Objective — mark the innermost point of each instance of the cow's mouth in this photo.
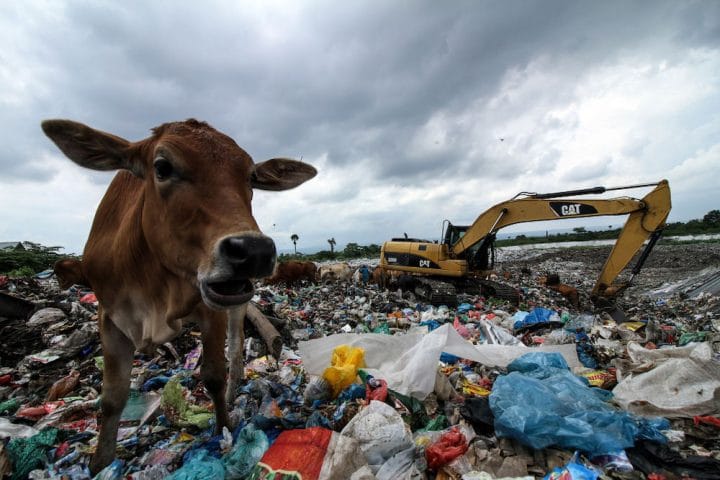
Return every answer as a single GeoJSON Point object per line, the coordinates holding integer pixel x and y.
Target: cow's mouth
{"type": "Point", "coordinates": [227, 293]}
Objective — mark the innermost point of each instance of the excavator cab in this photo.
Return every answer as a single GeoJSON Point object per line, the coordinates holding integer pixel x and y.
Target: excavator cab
{"type": "Point", "coordinates": [453, 233]}
{"type": "Point", "coordinates": [481, 256]}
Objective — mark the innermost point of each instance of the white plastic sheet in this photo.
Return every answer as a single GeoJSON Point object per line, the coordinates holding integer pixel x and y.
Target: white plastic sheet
{"type": "Point", "coordinates": [674, 382]}
{"type": "Point", "coordinates": [408, 362]}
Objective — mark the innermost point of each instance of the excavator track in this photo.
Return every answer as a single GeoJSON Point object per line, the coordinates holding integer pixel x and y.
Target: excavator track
{"type": "Point", "coordinates": [501, 291]}
{"type": "Point", "coordinates": [442, 292]}
{"type": "Point", "coordinates": [436, 292]}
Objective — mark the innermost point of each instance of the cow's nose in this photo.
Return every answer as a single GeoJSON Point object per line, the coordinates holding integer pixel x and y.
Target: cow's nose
{"type": "Point", "coordinates": [254, 254]}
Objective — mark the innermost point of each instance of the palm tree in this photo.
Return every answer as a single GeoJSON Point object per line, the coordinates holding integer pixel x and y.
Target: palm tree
{"type": "Point", "coordinates": [294, 239]}
{"type": "Point", "coordinates": [332, 245]}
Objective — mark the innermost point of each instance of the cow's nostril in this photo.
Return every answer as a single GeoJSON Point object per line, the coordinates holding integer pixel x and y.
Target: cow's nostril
{"type": "Point", "coordinates": [254, 254]}
{"type": "Point", "coordinates": [235, 249]}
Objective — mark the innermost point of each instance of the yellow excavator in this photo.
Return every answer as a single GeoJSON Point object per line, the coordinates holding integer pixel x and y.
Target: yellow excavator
{"type": "Point", "coordinates": [436, 271]}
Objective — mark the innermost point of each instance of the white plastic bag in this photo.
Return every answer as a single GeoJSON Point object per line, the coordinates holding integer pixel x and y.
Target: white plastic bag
{"type": "Point", "coordinates": [684, 382]}
{"type": "Point", "coordinates": [381, 433]}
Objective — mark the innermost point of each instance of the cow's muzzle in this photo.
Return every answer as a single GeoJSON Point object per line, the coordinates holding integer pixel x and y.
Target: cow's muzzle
{"type": "Point", "coordinates": [238, 259]}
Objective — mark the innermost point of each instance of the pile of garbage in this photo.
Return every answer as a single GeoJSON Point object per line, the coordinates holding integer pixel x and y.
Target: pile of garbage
{"type": "Point", "coordinates": [375, 384]}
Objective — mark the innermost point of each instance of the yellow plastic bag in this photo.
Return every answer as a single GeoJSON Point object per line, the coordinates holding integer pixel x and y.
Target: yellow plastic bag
{"type": "Point", "coordinates": [346, 361]}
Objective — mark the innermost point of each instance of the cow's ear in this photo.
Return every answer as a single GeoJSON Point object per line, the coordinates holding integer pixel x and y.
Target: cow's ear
{"type": "Point", "coordinates": [91, 148]}
{"type": "Point", "coordinates": [281, 174]}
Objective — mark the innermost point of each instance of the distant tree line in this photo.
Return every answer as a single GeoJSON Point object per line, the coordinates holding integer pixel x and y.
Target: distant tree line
{"type": "Point", "coordinates": [351, 251]}
{"type": "Point", "coordinates": [29, 259]}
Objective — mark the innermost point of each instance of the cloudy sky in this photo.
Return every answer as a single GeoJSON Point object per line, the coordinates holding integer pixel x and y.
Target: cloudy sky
{"type": "Point", "coordinates": [412, 111]}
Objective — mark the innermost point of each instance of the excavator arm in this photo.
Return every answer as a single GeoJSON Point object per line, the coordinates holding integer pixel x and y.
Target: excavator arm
{"type": "Point", "coordinates": [645, 217]}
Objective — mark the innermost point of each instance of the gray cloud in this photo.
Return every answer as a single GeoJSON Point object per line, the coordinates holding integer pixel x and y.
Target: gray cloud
{"type": "Point", "coordinates": [345, 81]}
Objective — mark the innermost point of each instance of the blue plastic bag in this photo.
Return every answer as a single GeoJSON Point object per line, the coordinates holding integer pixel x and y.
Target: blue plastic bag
{"type": "Point", "coordinates": [574, 470]}
{"type": "Point", "coordinates": [114, 471]}
{"type": "Point", "coordinates": [200, 466]}
{"type": "Point", "coordinates": [449, 358]}
{"type": "Point", "coordinates": [249, 448]}
{"type": "Point", "coordinates": [538, 315]}
{"type": "Point", "coordinates": [431, 324]}
{"type": "Point", "coordinates": [353, 392]}
{"type": "Point", "coordinates": [541, 403]}
{"type": "Point", "coordinates": [539, 363]}
{"type": "Point", "coordinates": [464, 308]}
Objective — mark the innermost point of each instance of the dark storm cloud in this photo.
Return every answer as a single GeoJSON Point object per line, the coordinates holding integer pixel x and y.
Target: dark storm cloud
{"type": "Point", "coordinates": [334, 69]}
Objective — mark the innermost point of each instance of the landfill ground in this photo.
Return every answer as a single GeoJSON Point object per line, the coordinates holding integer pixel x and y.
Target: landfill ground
{"type": "Point", "coordinates": [633, 400]}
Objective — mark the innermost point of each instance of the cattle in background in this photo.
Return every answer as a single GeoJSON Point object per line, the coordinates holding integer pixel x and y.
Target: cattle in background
{"type": "Point", "coordinates": [69, 272]}
{"type": "Point", "coordinates": [293, 271]}
{"type": "Point", "coordinates": [376, 275]}
{"type": "Point", "coordinates": [385, 279]}
{"type": "Point", "coordinates": [335, 272]}
{"type": "Point", "coordinates": [552, 281]}
{"type": "Point", "coordinates": [173, 239]}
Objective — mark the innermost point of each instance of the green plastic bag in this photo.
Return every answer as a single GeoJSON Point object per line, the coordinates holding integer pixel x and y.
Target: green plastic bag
{"type": "Point", "coordinates": [27, 454]}
{"type": "Point", "coordinates": [177, 409]}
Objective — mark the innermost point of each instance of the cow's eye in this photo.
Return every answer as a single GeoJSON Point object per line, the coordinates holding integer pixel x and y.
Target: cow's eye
{"type": "Point", "coordinates": [163, 169]}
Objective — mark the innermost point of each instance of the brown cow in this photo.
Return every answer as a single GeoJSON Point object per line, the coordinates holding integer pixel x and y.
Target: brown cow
{"type": "Point", "coordinates": [385, 278]}
{"type": "Point", "coordinates": [552, 281]}
{"type": "Point", "coordinates": [173, 239]}
{"type": "Point", "coordinates": [568, 292]}
{"type": "Point", "coordinates": [293, 271]}
{"type": "Point", "coordinates": [69, 273]}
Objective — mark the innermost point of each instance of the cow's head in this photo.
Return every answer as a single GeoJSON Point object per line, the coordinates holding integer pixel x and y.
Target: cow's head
{"type": "Point", "coordinates": [197, 187]}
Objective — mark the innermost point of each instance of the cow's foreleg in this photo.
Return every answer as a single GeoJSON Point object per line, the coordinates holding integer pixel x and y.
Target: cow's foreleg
{"type": "Point", "coordinates": [118, 355]}
{"type": "Point", "coordinates": [213, 325]}
{"type": "Point", "coordinates": [236, 343]}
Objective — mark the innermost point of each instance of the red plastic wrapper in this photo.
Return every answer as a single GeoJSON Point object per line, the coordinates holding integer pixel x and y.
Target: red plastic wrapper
{"type": "Point", "coordinates": [62, 449]}
{"type": "Point", "coordinates": [449, 446]}
{"type": "Point", "coordinates": [81, 425]}
{"type": "Point", "coordinates": [708, 420]}
{"type": "Point", "coordinates": [486, 383]}
{"type": "Point", "coordinates": [31, 412]}
{"type": "Point", "coordinates": [5, 379]}
{"type": "Point", "coordinates": [461, 329]}
{"type": "Point", "coordinates": [376, 389]}
{"type": "Point", "coordinates": [88, 298]}
{"type": "Point", "coordinates": [34, 413]}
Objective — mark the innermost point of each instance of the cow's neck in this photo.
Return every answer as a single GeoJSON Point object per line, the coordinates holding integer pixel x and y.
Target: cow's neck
{"type": "Point", "coordinates": [146, 300]}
